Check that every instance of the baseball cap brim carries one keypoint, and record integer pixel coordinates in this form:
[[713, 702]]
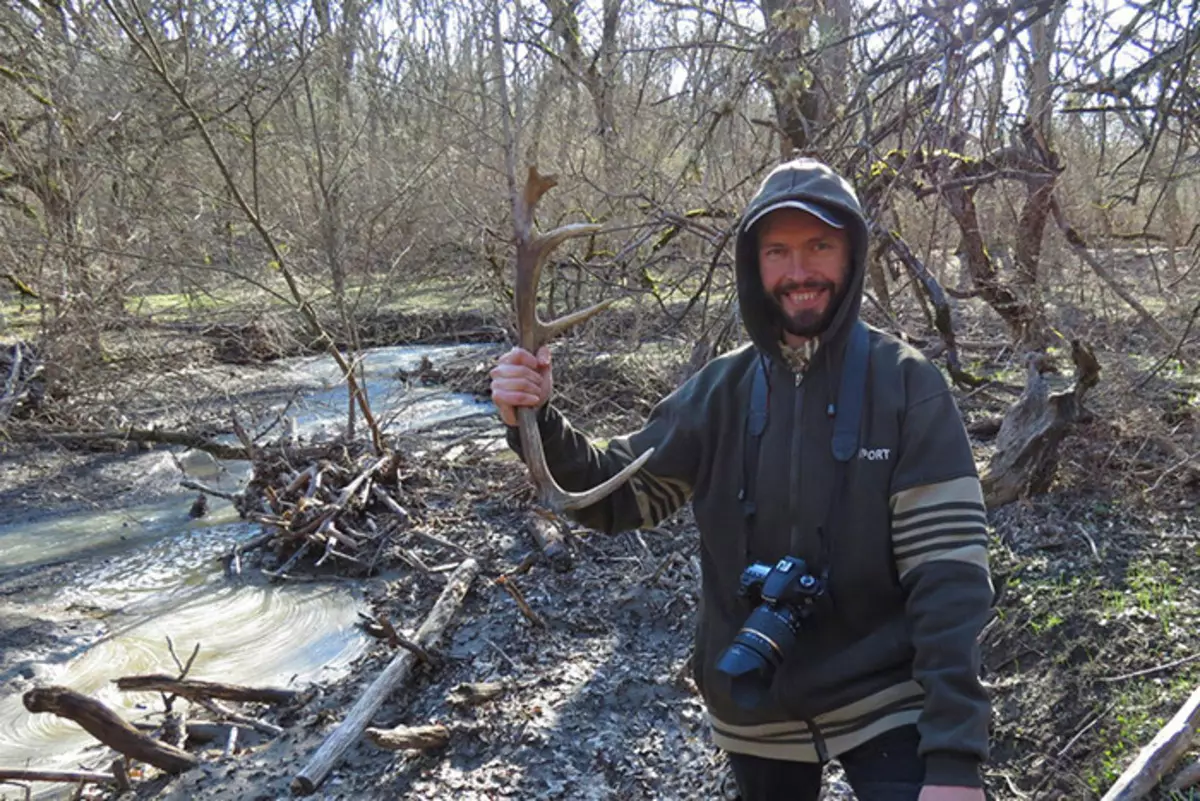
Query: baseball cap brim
[[821, 213]]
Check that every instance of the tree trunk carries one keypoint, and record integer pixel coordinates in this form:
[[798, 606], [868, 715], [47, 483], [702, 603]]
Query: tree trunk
[[1026, 456], [1023, 320]]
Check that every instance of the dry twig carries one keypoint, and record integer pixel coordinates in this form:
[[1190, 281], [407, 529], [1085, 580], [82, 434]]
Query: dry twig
[[511, 588]]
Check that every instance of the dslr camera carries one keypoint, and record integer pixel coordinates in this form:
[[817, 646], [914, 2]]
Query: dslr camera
[[785, 593]]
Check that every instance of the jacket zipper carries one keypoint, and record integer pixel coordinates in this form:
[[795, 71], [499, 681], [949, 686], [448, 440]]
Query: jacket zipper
[[794, 509]]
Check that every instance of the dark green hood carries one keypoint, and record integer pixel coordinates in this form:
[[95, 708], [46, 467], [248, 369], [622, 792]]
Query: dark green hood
[[803, 180]]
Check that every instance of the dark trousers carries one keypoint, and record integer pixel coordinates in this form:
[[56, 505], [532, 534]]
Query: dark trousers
[[886, 768]]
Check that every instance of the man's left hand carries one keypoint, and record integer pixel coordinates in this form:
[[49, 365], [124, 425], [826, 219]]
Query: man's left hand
[[931, 792]]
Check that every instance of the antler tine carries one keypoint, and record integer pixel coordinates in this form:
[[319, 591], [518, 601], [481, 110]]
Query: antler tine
[[533, 333], [568, 321], [551, 494], [548, 242]]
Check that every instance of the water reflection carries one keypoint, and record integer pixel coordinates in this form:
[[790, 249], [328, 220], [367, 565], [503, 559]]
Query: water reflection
[[259, 636]]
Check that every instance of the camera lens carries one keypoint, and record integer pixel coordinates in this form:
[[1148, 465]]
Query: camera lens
[[750, 660]]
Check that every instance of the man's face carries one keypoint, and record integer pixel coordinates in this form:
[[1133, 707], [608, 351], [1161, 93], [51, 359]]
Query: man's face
[[804, 263]]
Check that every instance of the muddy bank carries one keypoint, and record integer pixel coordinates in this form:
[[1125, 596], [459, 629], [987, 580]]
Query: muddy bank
[[278, 335], [596, 704]]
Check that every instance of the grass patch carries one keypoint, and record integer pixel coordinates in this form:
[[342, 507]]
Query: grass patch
[[1152, 590], [430, 296], [176, 305], [16, 315], [1138, 713]]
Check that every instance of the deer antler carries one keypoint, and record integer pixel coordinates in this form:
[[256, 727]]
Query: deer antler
[[532, 250]]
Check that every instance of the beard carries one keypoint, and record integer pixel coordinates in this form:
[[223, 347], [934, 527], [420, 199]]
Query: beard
[[807, 323]]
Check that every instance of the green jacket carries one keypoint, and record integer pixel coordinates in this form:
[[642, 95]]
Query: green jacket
[[901, 528]]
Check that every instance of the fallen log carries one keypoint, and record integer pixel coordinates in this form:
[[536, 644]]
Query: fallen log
[[409, 738], [70, 776], [186, 439], [194, 689], [1160, 755], [359, 716], [107, 727]]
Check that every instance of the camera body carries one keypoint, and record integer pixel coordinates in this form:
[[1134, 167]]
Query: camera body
[[784, 593]]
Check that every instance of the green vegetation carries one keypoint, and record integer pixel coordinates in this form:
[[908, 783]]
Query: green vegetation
[[1138, 712]]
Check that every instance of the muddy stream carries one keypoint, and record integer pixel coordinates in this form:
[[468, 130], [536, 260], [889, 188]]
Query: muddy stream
[[120, 581]]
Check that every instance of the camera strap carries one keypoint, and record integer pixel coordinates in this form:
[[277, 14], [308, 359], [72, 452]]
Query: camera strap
[[756, 424], [846, 411]]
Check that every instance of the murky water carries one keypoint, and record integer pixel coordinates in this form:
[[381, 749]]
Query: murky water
[[148, 573]]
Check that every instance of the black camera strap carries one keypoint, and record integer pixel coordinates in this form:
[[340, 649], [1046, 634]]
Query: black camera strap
[[756, 424], [846, 411]]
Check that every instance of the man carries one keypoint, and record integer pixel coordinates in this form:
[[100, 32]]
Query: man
[[884, 676]]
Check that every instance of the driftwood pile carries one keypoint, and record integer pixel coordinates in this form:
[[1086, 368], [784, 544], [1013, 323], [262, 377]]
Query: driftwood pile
[[341, 509]]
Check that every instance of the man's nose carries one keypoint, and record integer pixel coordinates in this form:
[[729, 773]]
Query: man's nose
[[799, 266]]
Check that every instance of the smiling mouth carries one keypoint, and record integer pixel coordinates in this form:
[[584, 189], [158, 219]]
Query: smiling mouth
[[805, 297]]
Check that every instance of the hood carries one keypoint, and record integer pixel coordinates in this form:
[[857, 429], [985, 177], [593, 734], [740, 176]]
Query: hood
[[801, 181]]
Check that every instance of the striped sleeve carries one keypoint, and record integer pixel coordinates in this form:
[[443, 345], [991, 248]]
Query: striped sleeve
[[946, 520], [657, 497], [939, 544], [664, 484]]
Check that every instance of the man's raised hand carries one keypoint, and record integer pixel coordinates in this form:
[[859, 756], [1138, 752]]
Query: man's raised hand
[[521, 379]]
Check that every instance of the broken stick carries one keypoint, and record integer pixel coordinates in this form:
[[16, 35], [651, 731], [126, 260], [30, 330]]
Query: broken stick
[[194, 689], [473, 694], [108, 727], [511, 587], [269, 729], [71, 776], [346, 734], [1160, 755], [410, 738]]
